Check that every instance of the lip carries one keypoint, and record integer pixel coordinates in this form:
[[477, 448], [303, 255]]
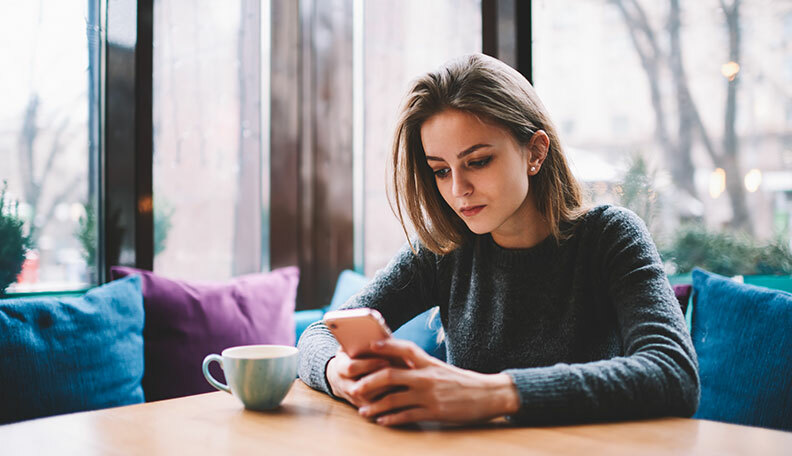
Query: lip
[[470, 211]]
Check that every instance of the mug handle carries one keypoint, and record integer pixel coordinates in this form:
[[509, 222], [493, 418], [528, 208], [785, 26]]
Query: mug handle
[[208, 360]]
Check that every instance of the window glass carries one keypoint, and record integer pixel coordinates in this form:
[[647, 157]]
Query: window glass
[[210, 188], [401, 40], [668, 111], [49, 136]]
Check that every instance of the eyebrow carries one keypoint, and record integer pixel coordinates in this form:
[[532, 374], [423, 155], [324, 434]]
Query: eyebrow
[[462, 154]]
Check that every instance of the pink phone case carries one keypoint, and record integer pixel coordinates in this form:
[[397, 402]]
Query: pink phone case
[[356, 329]]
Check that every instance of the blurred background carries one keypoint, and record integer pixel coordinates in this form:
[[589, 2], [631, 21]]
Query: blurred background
[[271, 124]]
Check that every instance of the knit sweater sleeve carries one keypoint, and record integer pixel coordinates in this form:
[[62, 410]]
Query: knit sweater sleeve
[[400, 291], [658, 372]]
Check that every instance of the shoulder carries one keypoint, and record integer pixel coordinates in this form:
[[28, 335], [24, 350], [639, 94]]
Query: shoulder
[[618, 236], [414, 252], [608, 229], [613, 220]]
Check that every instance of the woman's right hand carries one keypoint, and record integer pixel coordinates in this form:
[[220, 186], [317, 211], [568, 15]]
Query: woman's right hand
[[343, 373]]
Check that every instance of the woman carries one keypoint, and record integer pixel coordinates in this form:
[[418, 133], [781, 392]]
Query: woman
[[552, 313]]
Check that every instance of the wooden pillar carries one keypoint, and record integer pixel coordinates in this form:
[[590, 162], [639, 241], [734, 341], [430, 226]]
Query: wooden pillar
[[284, 133], [311, 165]]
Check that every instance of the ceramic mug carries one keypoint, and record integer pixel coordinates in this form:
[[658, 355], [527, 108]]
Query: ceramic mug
[[258, 375]]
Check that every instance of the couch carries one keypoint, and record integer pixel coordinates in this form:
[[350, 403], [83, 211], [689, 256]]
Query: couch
[[143, 337]]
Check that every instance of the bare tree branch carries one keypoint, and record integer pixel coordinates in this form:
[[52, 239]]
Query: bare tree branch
[[55, 148], [643, 24], [730, 11], [681, 165], [741, 216], [680, 148], [69, 189], [66, 109], [27, 139], [636, 22]]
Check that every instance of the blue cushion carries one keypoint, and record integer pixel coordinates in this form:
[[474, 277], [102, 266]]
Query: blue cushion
[[60, 355], [304, 318], [743, 338], [422, 329], [349, 283]]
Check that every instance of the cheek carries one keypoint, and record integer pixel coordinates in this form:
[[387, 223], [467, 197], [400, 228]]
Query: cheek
[[444, 187], [516, 186]]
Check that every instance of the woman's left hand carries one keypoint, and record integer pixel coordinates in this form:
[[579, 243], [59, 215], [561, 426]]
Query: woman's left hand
[[431, 390]]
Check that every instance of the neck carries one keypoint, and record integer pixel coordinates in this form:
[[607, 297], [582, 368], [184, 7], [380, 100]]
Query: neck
[[525, 229]]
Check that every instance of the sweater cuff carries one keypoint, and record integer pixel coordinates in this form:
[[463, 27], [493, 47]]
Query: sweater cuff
[[314, 356], [543, 393], [318, 363]]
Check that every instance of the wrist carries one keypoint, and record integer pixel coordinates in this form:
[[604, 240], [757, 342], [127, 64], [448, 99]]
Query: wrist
[[506, 397], [329, 376]]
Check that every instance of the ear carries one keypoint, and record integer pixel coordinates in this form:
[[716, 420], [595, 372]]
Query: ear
[[537, 149]]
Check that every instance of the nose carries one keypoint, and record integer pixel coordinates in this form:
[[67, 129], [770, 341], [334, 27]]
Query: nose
[[461, 185]]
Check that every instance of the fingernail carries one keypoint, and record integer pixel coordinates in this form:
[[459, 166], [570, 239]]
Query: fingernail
[[379, 343], [363, 411]]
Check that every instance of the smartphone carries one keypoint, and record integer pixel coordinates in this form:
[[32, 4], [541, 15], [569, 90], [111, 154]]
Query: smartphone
[[356, 329]]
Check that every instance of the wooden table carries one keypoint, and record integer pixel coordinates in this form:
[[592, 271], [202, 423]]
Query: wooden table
[[310, 423]]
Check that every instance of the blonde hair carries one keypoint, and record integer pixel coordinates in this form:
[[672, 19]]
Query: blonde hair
[[496, 93]]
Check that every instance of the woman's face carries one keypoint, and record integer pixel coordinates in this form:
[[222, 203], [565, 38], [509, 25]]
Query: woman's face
[[481, 172]]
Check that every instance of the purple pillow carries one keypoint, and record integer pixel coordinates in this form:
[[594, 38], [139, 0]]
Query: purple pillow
[[187, 320], [682, 293]]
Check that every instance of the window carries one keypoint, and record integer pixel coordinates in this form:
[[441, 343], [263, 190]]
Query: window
[[644, 93], [789, 114], [49, 140], [401, 40], [210, 99], [788, 26]]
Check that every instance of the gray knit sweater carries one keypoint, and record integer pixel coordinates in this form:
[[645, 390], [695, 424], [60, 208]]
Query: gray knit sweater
[[588, 329]]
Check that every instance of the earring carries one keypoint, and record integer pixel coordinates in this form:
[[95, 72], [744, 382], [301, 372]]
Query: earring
[[533, 168]]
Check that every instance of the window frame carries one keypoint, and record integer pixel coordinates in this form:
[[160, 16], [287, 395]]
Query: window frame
[[306, 226]]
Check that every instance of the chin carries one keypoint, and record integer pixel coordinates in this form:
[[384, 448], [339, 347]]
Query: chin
[[479, 228]]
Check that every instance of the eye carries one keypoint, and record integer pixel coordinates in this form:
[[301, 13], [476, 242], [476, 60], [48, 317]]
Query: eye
[[441, 173], [480, 163]]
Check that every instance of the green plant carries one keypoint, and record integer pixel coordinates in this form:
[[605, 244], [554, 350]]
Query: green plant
[[86, 234], [13, 242], [87, 231], [637, 191], [775, 258], [725, 253], [163, 213]]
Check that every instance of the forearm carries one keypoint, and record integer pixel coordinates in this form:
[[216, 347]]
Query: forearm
[[648, 385], [317, 346]]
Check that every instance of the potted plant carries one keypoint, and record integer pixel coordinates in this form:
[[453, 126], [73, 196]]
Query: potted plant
[[763, 263], [13, 242]]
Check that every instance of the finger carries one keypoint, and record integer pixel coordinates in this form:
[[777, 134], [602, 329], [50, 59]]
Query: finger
[[390, 403], [349, 367], [376, 383], [377, 394], [405, 416], [342, 357], [360, 367], [342, 362], [412, 355]]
